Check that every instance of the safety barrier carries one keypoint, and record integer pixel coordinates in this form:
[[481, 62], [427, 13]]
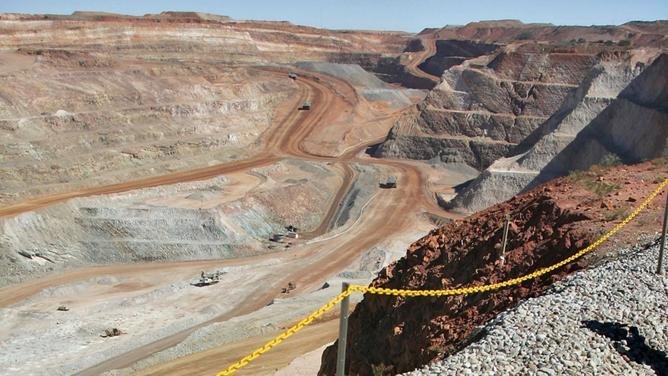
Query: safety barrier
[[459, 291]]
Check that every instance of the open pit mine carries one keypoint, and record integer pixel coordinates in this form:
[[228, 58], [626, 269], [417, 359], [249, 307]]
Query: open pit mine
[[177, 189]]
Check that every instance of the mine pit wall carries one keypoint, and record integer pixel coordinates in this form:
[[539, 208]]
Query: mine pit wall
[[454, 52], [387, 67], [618, 113], [486, 106], [180, 39], [362, 190], [632, 128], [70, 235], [477, 153], [187, 221], [91, 126]]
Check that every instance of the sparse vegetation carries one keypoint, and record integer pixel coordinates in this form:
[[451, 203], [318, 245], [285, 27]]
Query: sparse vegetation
[[381, 369], [617, 214], [436, 348], [611, 160], [661, 163], [591, 181]]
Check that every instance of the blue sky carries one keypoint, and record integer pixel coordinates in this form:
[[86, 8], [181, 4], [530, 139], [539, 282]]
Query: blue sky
[[405, 15]]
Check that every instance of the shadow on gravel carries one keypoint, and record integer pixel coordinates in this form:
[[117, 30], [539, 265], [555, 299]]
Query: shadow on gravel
[[630, 344]]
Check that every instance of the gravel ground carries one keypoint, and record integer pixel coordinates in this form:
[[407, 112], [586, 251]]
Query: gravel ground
[[608, 320]]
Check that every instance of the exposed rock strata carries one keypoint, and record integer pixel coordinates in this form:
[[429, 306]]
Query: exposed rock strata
[[486, 106], [188, 221], [454, 52], [612, 116]]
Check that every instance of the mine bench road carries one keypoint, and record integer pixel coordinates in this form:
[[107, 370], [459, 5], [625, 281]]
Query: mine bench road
[[306, 267]]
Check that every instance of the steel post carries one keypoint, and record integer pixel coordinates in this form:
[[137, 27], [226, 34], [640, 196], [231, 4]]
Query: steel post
[[343, 333], [659, 268], [505, 239]]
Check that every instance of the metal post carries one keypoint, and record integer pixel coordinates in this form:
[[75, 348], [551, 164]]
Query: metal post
[[505, 239], [659, 268], [343, 334]]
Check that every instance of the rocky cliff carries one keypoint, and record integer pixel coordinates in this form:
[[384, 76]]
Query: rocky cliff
[[394, 334], [485, 106], [502, 81], [616, 114]]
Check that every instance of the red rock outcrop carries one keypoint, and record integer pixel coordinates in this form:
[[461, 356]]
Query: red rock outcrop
[[548, 224]]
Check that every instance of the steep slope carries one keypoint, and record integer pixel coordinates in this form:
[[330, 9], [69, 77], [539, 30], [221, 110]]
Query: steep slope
[[454, 52], [548, 224], [486, 106], [226, 217], [633, 128], [616, 114], [98, 98], [501, 80]]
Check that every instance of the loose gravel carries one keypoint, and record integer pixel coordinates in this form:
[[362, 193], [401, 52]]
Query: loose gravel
[[608, 320]]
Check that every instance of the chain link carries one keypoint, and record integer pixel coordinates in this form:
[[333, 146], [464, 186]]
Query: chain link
[[458, 291]]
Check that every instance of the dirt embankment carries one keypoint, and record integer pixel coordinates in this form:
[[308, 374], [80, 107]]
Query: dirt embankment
[[548, 224]]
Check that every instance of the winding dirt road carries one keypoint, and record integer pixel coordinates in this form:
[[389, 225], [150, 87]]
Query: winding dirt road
[[387, 214], [429, 43]]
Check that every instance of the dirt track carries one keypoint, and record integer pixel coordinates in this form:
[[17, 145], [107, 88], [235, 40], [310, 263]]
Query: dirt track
[[387, 214], [429, 43]]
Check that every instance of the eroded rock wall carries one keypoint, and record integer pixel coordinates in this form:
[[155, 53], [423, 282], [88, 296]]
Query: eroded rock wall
[[486, 106], [617, 113]]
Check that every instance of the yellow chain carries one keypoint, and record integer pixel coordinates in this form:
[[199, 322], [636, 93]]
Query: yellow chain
[[285, 335], [459, 291], [518, 280]]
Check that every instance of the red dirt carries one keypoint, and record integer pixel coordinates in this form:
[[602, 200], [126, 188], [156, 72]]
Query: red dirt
[[583, 37], [548, 224], [429, 44]]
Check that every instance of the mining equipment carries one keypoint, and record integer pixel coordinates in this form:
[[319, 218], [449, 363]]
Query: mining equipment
[[208, 279], [390, 182], [306, 105]]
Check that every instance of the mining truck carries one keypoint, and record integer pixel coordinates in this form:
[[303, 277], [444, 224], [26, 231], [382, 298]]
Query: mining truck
[[208, 279], [390, 182], [292, 75], [306, 105], [111, 332]]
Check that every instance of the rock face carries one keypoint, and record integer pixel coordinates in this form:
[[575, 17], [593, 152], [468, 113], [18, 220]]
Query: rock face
[[635, 34], [187, 221], [399, 334], [173, 90], [454, 52], [517, 87], [634, 127], [98, 124], [616, 113], [486, 106]]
